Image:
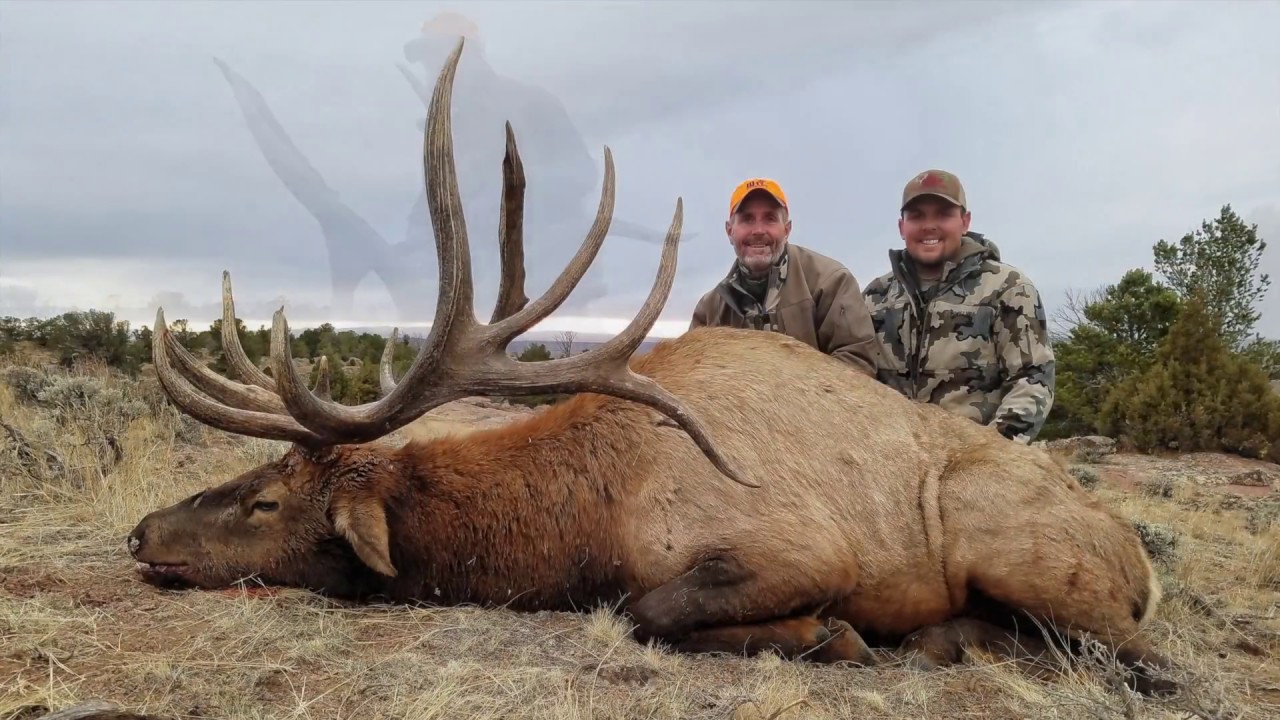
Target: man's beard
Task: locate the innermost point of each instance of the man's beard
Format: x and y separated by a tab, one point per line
758	265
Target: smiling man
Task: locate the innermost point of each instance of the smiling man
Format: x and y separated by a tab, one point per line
960	328
777	286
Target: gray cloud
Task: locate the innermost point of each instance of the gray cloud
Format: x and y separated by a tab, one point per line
1084	133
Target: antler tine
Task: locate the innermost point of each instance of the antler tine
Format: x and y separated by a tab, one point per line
243	422
605	370
221	389
511	297
620	347
454	317
322	390
386	369
499	335
231	348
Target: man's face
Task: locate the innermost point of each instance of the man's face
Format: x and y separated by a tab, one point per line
931	228
758	231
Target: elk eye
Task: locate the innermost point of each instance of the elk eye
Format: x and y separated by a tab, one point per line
266	506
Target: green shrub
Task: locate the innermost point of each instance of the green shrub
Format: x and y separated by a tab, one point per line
1087	477
1197	396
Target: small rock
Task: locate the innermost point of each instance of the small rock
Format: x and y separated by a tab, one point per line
627	674
96	710
751	711
1261	516
1254	478
1086	447
1231	502
1250	647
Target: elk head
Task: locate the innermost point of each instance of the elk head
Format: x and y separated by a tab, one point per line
287	522
313	517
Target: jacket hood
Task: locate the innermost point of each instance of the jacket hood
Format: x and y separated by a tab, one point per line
973	242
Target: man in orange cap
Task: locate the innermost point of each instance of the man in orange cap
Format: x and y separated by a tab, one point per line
959	327
778	286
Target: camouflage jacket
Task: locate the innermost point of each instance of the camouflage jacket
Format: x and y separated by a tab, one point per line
807	296
976	342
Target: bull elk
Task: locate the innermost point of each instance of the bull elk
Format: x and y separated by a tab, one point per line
733	491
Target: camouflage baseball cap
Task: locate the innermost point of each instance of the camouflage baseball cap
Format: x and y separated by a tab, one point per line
935	182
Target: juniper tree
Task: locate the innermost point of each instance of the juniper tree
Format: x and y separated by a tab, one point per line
1221	259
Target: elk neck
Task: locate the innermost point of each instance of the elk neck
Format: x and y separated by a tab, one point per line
521	515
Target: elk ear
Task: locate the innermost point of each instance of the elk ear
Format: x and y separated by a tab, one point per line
363	522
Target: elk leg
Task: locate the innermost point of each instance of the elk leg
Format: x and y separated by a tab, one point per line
722	603
1078	611
947	643
796	638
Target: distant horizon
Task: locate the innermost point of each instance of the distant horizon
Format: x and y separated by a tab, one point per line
583	327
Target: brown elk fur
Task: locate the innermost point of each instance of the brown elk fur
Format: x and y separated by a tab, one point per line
870	515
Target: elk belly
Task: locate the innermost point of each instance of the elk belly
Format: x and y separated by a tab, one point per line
897	604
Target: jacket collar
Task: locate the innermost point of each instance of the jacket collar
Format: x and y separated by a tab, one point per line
974	249
733	288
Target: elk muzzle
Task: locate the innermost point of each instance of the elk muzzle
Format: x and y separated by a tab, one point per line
161	556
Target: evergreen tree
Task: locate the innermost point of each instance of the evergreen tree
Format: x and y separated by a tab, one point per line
1221	260
534	352
1115	339
1196	395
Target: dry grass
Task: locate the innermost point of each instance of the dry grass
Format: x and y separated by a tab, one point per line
76	625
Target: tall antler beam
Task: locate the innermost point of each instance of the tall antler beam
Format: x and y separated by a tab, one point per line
461	357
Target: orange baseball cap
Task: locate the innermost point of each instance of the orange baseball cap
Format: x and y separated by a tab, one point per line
748	186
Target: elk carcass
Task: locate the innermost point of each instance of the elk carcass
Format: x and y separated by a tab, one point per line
733	490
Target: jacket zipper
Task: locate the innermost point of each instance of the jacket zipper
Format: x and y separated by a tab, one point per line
917	319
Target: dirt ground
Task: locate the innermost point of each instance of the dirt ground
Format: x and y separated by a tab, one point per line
76	625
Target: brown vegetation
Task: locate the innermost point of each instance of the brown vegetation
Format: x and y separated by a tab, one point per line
76	625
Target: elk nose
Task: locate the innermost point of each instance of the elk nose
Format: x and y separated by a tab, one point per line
134	542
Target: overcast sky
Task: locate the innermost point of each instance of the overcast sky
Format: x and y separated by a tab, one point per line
146	147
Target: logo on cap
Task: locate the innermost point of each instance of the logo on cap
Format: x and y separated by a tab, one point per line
935	182
751	185
932	180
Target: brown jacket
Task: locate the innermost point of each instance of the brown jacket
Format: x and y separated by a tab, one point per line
811	298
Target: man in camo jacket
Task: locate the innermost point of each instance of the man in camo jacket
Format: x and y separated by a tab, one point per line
960	328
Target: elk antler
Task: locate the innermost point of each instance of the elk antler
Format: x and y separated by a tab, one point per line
321	388
461	357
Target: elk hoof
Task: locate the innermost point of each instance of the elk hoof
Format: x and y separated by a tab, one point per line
1148	686
843	644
